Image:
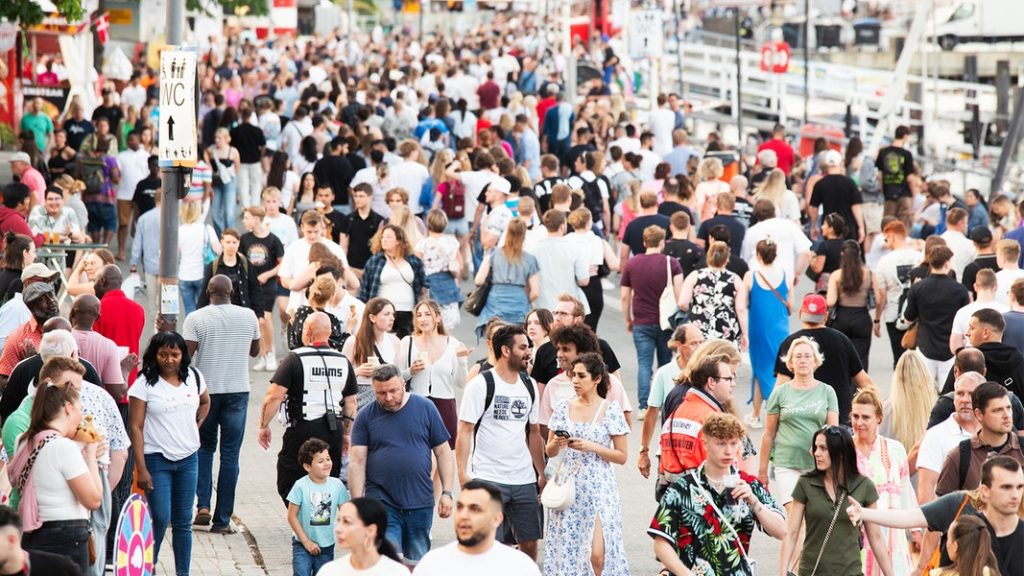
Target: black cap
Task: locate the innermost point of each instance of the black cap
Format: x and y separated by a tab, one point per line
981	236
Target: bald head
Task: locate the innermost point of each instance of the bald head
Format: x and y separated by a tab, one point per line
109	278
219	289
316	329
85	311
738	185
56	323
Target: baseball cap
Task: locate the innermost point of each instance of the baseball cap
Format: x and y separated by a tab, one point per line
833	158
813	308
981	236
36	290
37	270
501	185
21	157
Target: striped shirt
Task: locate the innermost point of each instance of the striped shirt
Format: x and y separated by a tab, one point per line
224	333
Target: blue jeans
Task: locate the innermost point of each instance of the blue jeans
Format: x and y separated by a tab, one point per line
224	205
648	340
409	530
170	501
190	290
227	411
304	563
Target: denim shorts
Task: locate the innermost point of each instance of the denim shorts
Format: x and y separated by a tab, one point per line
459	227
102	216
524	517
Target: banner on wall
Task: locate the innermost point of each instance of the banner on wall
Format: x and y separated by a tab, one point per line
54	97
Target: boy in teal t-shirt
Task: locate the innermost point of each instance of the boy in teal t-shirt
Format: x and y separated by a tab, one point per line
312	508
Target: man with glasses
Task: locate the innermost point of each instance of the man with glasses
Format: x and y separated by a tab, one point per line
685	340
682	449
568	311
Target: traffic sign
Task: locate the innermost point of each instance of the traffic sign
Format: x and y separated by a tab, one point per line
178	140
775	57
646	34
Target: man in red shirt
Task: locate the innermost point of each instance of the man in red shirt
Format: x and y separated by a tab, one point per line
121	318
545	104
783	151
489	93
14	210
41	301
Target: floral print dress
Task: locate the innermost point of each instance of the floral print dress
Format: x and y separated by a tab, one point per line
713	307
570	532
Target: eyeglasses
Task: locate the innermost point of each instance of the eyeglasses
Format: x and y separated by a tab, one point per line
725	378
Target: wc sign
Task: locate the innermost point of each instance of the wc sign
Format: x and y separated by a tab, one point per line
775	57
178	135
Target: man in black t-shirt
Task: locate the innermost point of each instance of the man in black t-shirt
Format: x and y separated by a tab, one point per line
841	369
633	239
318	386
679	246
250	142
985	258
264	252
145	191
895	165
736	265
837	193
334	219
358	228
78	127
109	110
336	171
16	561
725	217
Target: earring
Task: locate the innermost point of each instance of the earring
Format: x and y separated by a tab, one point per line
366	543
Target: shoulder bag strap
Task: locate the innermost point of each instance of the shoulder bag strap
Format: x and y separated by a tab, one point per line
23	479
597	415
774	291
828	534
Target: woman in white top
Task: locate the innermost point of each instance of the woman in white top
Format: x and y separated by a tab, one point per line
168	404
360	529
598	253
64	477
372	345
774	189
434	363
193	237
395	273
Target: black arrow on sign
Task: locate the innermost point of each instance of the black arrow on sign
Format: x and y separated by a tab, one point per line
170	128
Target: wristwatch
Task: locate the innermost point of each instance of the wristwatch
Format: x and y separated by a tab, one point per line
447	493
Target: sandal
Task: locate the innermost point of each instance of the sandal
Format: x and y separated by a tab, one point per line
203	517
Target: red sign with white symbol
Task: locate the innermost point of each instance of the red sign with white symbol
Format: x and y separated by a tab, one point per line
775	57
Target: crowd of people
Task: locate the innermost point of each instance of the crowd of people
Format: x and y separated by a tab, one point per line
356	186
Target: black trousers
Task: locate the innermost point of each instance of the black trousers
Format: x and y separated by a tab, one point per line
595	299
895	341
289	470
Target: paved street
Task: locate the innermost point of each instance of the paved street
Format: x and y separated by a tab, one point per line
262	515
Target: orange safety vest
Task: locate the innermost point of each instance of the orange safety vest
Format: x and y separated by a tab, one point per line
681	445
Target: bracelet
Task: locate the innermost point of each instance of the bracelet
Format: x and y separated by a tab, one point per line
645	450
877	321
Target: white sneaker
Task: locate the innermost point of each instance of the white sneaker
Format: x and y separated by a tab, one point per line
754	423
260	365
271	363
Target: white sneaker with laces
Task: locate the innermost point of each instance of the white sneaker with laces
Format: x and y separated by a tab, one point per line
260	365
754	423
271	362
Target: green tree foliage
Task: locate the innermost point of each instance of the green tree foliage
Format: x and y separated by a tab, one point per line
27	13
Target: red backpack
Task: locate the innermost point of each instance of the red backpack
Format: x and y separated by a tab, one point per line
453	199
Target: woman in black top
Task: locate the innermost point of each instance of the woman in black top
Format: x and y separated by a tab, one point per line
827	254
19	252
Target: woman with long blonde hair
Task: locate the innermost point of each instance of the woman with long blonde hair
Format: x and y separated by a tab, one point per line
514	276
775	190
908	408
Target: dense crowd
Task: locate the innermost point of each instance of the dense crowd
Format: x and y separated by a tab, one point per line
356	185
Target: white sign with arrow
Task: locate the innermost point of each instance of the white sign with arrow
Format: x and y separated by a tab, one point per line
646	34
178	135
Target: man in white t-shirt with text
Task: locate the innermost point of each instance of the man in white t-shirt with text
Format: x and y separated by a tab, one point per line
498	407
478	514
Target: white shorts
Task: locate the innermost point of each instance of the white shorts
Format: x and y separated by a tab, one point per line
872	212
783	481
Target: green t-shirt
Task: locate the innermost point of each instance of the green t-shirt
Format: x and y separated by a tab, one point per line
14	426
840	557
801	413
40	125
663	383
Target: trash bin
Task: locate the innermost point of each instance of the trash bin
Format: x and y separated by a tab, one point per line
867	32
827	35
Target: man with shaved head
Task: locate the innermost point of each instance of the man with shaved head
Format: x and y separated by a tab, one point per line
318	387
219	338
97	348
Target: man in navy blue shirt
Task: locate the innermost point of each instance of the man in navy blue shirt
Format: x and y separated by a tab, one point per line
392	441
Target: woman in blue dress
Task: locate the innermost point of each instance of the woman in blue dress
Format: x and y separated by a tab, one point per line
586	537
515	279
769	306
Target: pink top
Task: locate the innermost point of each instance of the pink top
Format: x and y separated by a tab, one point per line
35	182
560	388
102	353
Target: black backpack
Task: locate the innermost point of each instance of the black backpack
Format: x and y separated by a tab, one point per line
489	399
93	172
592	197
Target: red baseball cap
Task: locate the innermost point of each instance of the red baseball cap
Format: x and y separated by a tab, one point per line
814	308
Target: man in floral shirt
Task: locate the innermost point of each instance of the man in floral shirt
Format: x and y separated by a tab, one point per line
703	512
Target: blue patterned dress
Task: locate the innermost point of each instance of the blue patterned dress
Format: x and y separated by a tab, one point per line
570	532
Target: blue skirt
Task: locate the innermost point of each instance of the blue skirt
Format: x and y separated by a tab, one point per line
443	289
506	301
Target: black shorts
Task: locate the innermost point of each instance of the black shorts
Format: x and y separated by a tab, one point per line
524	516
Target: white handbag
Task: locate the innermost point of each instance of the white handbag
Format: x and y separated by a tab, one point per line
667	303
560	492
